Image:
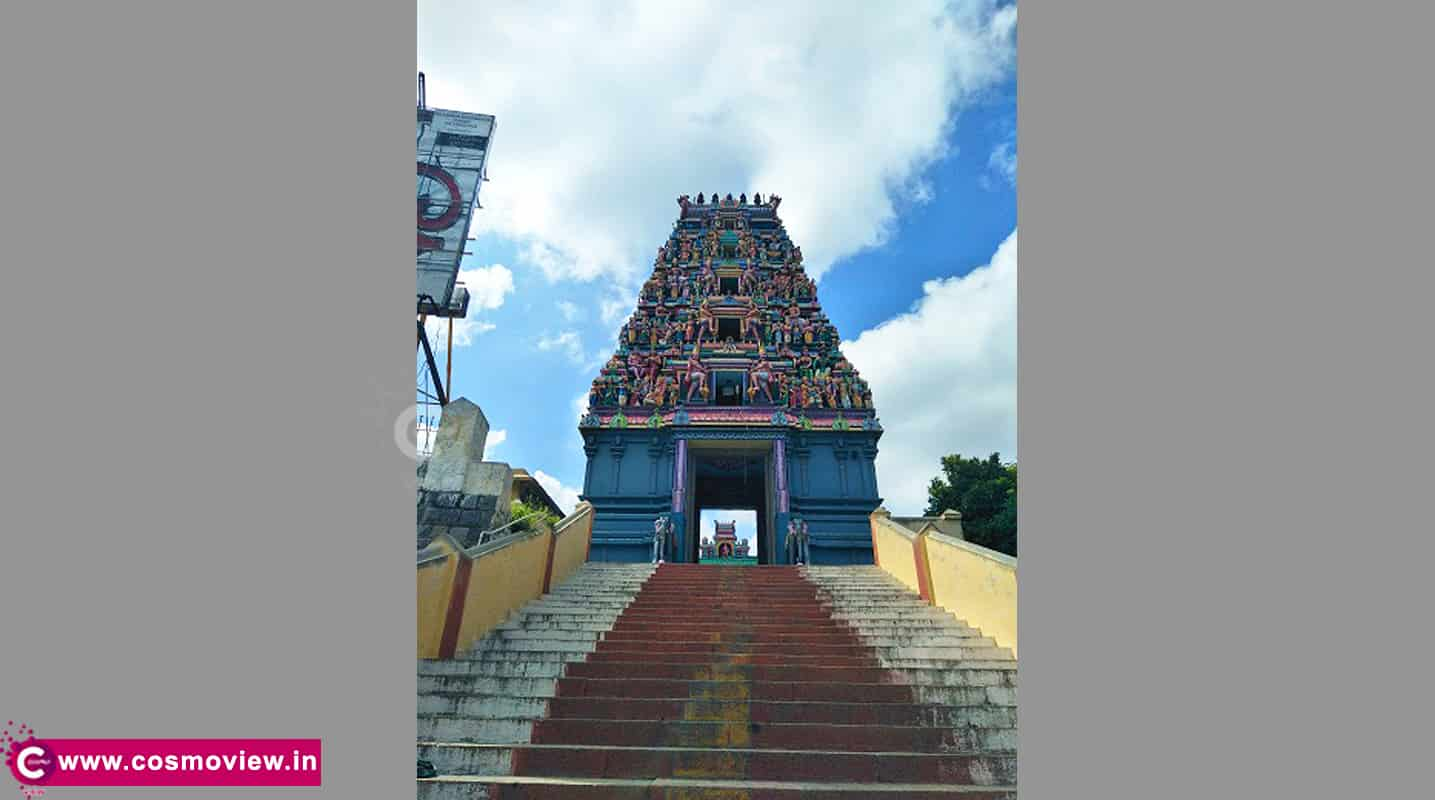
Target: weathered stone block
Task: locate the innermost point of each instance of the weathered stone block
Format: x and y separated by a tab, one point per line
490	479
472	519
446	499
462	433
469	502
440	516
427	533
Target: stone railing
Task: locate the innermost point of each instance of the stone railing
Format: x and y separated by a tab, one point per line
929	556
463	593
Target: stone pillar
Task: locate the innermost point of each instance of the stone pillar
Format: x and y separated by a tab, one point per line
779	462
679	517
462	435
680	474
780	554
460	494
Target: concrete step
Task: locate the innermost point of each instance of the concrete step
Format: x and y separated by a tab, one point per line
466	758
635	657
764	765
446	728
490	684
576	616
551	667
479	704
707	671
978	714
771	736
638	687
905	666
577	604
941	673
516	648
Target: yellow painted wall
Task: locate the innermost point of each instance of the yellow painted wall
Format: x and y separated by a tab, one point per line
435	583
571	549
894	551
976	585
502	581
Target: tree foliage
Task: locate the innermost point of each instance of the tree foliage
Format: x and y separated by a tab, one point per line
984	490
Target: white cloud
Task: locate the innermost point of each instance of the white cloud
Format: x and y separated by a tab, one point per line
568	342
1002	162
606	112
570	311
464	332
487	286
495	438
960	396
614	310
565	496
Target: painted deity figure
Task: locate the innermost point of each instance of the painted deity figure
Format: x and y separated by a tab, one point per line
751	323
707	317
662	532
636	364
761	376
707	278
659	391
798	551
747	282
697	377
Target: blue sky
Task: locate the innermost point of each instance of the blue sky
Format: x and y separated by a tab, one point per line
892	140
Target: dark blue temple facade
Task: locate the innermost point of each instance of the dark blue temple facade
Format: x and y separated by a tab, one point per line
728	390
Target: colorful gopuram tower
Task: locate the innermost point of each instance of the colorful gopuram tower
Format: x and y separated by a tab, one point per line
728	390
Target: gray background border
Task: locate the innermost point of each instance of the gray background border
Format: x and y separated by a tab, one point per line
1224	375
208	273
1224	380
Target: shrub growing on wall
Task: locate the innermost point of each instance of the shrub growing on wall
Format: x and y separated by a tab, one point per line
519	509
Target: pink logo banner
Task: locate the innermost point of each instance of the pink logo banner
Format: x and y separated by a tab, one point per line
166	762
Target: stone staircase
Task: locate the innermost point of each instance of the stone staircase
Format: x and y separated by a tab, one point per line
474	708
696	681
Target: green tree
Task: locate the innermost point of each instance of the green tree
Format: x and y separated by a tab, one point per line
984	490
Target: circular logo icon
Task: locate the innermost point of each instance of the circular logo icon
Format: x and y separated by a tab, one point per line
32	762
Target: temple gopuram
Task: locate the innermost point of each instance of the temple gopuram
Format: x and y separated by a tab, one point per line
728	390
724	543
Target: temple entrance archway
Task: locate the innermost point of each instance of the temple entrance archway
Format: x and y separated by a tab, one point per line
730	475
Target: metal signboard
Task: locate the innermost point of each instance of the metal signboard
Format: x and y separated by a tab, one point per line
452	153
